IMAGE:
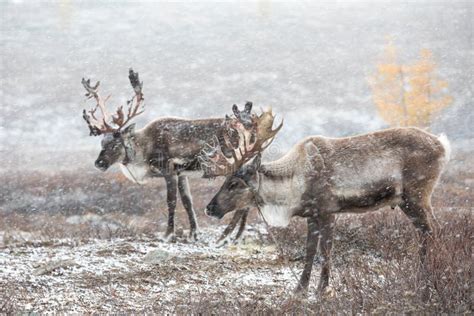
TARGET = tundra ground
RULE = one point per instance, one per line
(63, 250)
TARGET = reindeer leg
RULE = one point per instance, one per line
(420, 214)
(325, 246)
(186, 198)
(230, 228)
(172, 195)
(311, 248)
(243, 222)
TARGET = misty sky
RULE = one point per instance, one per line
(310, 61)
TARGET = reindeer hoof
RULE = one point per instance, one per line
(169, 237)
(221, 242)
(193, 236)
(236, 241)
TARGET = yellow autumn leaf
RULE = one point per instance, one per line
(408, 95)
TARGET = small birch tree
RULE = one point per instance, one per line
(408, 95)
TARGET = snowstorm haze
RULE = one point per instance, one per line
(309, 61)
(377, 224)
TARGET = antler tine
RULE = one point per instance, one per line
(93, 92)
(263, 138)
(96, 126)
(272, 134)
(135, 105)
(216, 163)
(94, 130)
(90, 90)
(99, 126)
(135, 82)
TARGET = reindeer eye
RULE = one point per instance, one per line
(233, 185)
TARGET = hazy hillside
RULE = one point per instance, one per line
(309, 61)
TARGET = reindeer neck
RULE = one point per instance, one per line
(139, 145)
(286, 166)
(275, 186)
(279, 195)
(281, 185)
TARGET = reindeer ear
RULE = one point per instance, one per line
(236, 111)
(130, 129)
(248, 107)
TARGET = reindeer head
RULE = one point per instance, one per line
(117, 142)
(238, 191)
(116, 147)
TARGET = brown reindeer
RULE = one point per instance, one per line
(321, 177)
(166, 147)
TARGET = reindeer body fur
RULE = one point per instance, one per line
(180, 140)
(395, 167)
(166, 147)
(321, 177)
(169, 147)
(354, 174)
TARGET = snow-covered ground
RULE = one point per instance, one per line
(375, 267)
(135, 273)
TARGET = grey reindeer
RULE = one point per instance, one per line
(166, 147)
(321, 177)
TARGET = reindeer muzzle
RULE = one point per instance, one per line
(101, 164)
(211, 210)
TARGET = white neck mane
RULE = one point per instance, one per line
(282, 184)
(137, 170)
(276, 215)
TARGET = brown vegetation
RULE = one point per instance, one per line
(375, 267)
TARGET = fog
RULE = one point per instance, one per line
(309, 61)
(77, 240)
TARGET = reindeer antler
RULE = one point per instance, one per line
(96, 126)
(251, 142)
(102, 125)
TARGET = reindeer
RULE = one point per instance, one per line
(321, 177)
(166, 147)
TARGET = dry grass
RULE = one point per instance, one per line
(376, 271)
(375, 258)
